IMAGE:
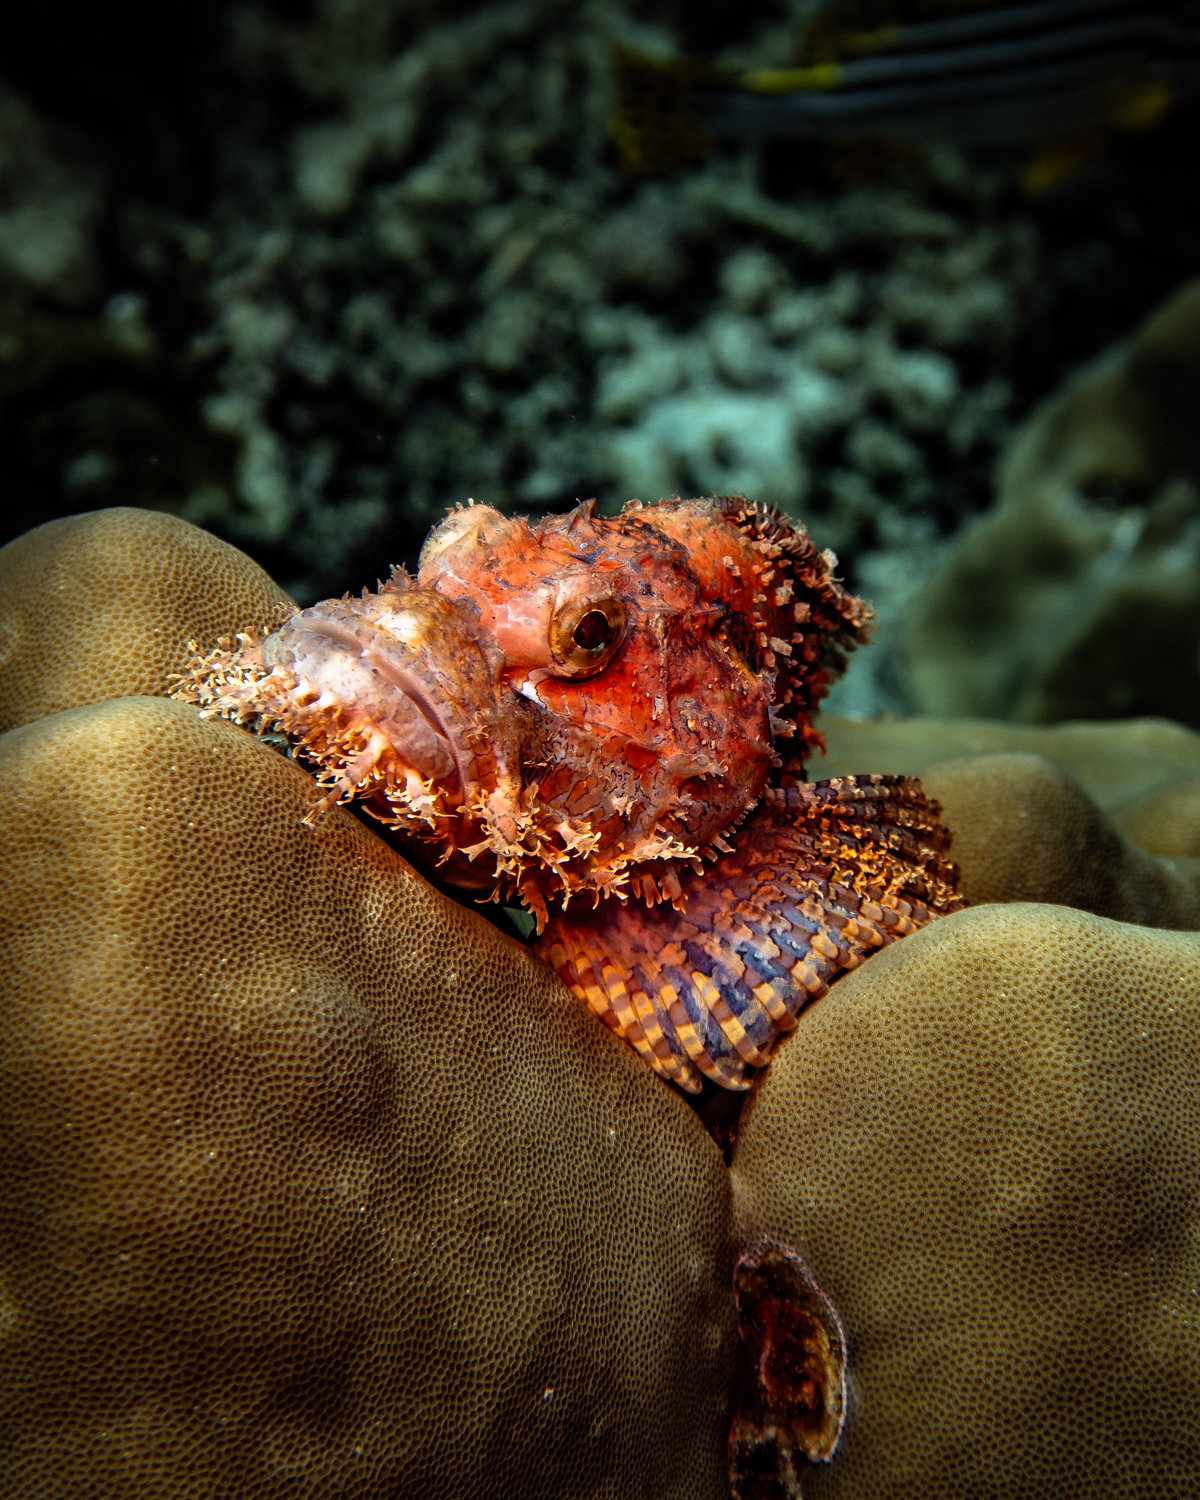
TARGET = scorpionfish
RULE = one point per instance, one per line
(606, 719)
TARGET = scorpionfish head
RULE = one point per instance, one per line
(577, 705)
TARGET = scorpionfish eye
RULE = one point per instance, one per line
(585, 634)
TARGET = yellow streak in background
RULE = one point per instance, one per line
(792, 80)
(865, 42)
(1143, 105)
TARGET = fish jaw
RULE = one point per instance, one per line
(395, 697)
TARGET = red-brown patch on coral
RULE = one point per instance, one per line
(793, 1377)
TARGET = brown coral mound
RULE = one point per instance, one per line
(1164, 821)
(1025, 830)
(103, 605)
(984, 1144)
(312, 1184)
(1077, 595)
(1113, 762)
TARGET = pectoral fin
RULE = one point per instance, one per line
(818, 879)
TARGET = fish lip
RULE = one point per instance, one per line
(406, 682)
(417, 685)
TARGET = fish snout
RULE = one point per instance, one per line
(412, 668)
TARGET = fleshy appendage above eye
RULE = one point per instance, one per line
(585, 634)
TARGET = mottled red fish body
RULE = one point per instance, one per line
(589, 707)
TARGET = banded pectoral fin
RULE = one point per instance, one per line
(708, 986)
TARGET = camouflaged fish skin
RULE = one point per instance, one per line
(606, 719)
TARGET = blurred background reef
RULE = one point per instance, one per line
(306, 274)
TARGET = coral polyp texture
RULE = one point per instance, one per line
(315, 1185)
(311, 1183)
(104, 605)
(585, 710)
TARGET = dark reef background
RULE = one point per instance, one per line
(309, 273)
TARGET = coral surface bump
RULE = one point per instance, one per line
(313, 1183)
(104, 605)
(1113, 762)
(985, 1144)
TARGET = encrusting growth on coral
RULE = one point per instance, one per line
(593, 707)
(792, 1377)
